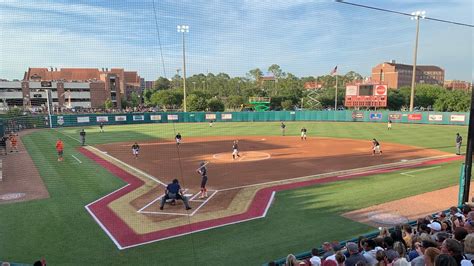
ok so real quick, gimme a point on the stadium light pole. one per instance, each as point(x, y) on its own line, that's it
point(415, 16)
point(184, 29)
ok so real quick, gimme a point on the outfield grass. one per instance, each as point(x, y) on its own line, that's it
point(60, 229)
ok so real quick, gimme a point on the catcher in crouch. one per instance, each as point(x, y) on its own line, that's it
point(202, 170)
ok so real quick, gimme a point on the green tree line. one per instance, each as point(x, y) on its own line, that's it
point(219, 92)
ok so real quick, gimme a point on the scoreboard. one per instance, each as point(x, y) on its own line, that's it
point(366, 95)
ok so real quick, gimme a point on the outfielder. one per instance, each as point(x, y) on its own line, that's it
point(235, 149)
point(202, 170)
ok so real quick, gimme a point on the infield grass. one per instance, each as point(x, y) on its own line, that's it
point(61, 230)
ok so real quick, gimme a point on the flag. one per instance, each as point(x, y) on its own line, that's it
point(334, 71)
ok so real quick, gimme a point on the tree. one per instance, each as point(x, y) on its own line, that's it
point(167, 99)
point(14, 112)
point(108, 104)
point(287, 105)
point(255, 74)
point(234, 101)
point(134, 99)
point(453, 101)
point(351, 76)
point(395, 100)
point(196, 102)
point(426, 95)
point(215, 105)
point(276, 71)
point(147, 96)
point(162, 84)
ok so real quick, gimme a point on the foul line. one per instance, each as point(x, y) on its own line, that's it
point(76, 158)
point(418, 170)
point(369, 169)
point(129, 166)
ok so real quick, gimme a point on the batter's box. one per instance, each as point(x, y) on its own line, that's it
point(153, 207)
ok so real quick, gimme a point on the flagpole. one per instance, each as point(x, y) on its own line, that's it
point(335, 97)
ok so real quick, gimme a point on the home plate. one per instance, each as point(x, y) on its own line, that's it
point(264, 139)
point(188, 195)
point(404, 160)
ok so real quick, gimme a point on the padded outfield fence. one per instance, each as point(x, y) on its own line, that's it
point(335, 116)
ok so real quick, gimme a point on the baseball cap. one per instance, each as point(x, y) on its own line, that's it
point(435, 226)
point(352, 247)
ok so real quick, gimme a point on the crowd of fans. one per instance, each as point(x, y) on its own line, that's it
point(444, 239)
point(80, 110)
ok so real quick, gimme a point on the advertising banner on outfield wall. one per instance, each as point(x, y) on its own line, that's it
point(210, 116)
point(415, 117)
point(357, 115)
point(226, 116)
point(155, 117)
point(457, 118)
point(375, 116)
point(173, 117)
point(120, 118)
point(60, 120)
point(83, 119)
point(395, 116)
point(138, 117)
point(102, 119)
point(435, 117)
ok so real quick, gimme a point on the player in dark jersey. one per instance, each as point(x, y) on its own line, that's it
point(235, 149)
point(202, 170)
point(135, 150)
point(178, 138)
point(376, 147)
point(303, 133)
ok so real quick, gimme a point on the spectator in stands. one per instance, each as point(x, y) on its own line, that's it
point(469, 247)
point(381, 258)
point(440, 237)
point(435, 227)
point(354, 255)
point(391, 256)
point(337, 249)
point(430, 255)
point(397, 235)
point(400, 248)
point(407, 234)
point(340, 258)
point(330, 263)
point(384, 232)
point(292, 261)
point(328, 250)
point(3, 145)
point(361, 242)
point(388, 242)
point(315, 260)
point(370, 252)
point(421, 248)
point(460, 234)
point(453, 248)
point(445, 260)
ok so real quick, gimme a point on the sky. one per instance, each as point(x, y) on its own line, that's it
point(304, 37)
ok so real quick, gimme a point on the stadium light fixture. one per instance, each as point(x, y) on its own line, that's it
point(184, 29)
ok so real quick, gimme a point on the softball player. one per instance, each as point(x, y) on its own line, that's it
point(235, 149)
point(303, 133)
point(178, 138)
point(202, 170)
point(376, 147)
point(135, 150)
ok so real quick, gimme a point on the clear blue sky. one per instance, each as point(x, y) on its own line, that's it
point(304, 37)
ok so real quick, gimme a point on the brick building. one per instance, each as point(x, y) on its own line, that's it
point(70, 87)
point(457, 85)
point(400, 75)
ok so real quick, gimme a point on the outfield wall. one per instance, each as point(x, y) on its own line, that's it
point(338, 116)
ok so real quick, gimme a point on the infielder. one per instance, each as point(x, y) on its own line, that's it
point(178, 138)
point(135, 150)
point(235, 149)
point(282, 126)
point(389, 124)
point(458, 144)
point(376, 147)
point(202, 170)
point(303, 133)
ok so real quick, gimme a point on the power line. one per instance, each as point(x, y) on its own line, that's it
point(159, 39)
point(404, 14)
